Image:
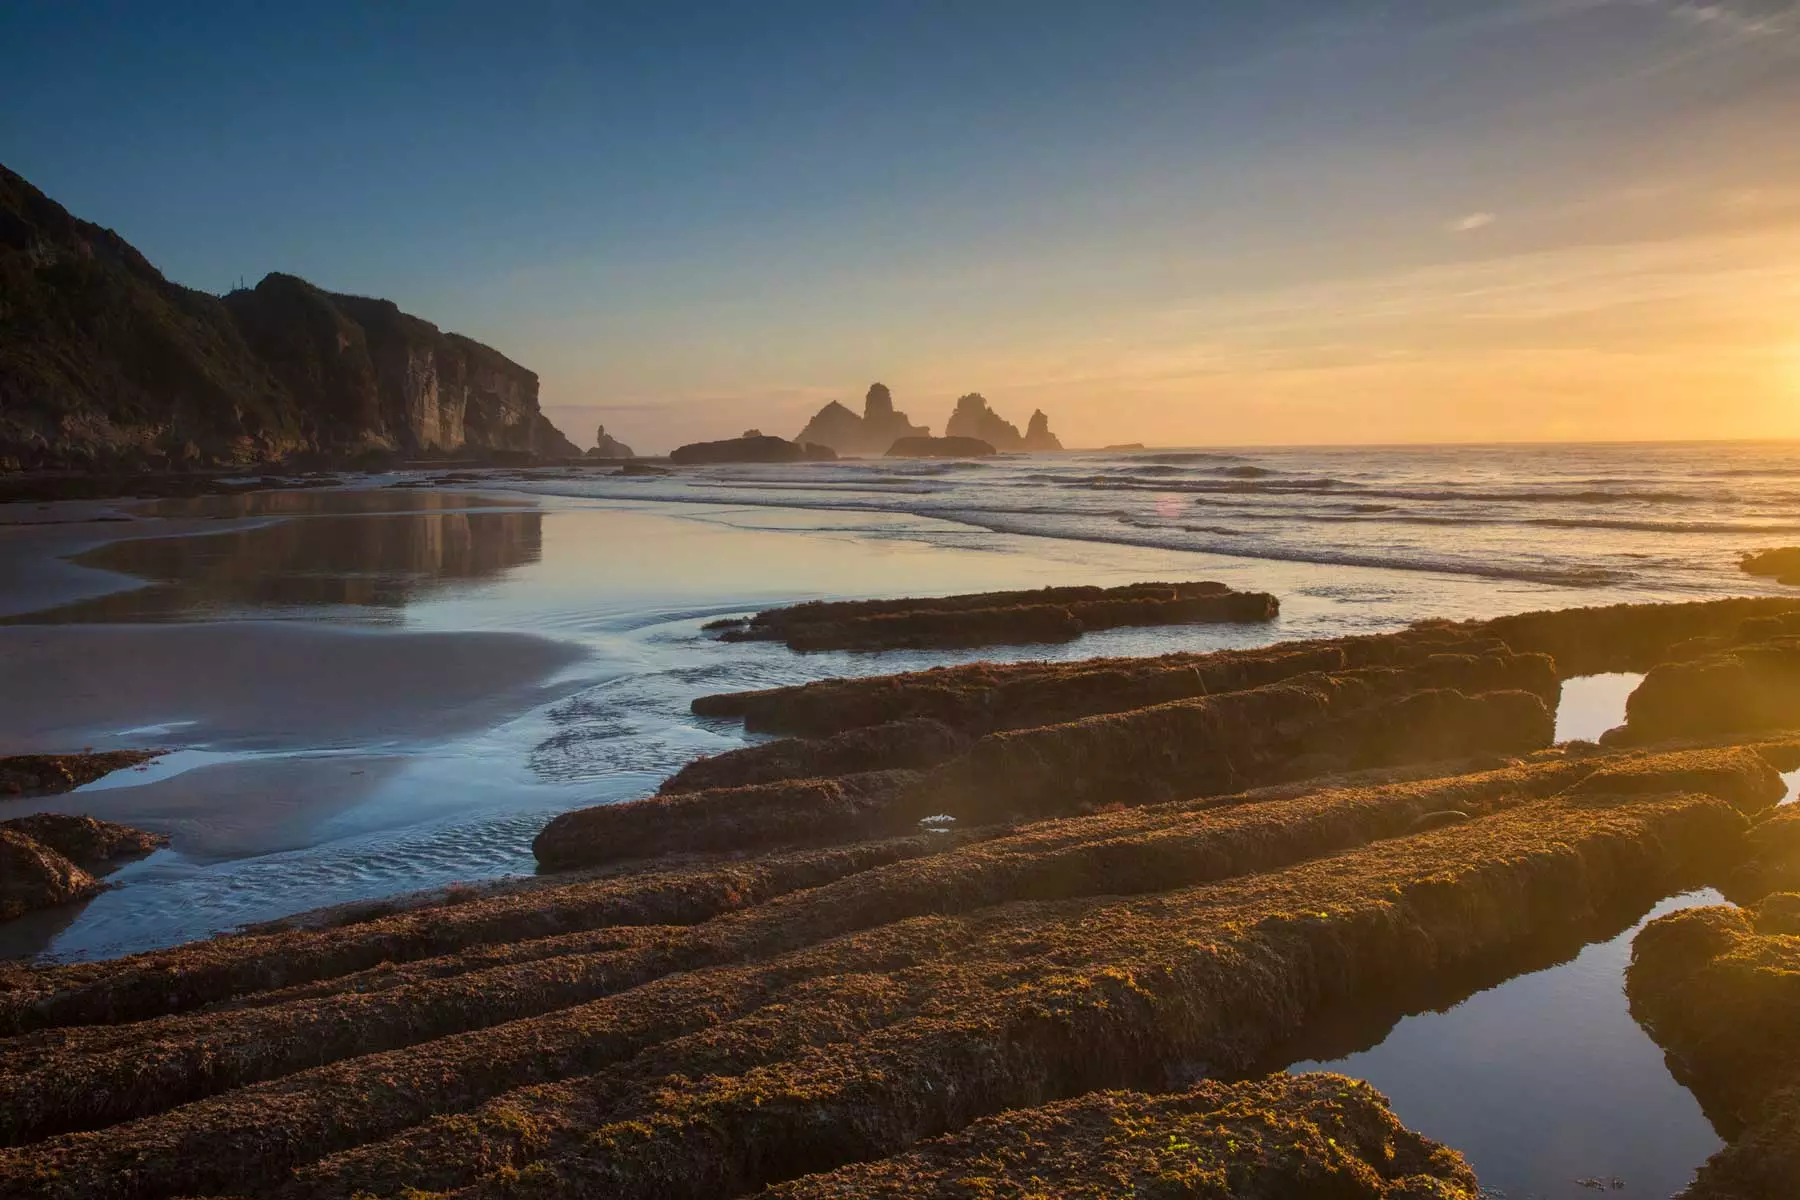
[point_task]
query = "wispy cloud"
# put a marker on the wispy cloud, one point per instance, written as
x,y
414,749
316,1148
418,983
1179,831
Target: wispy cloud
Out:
x,y
1470,222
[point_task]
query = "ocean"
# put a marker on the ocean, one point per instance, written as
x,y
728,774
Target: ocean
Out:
x,y
1632,519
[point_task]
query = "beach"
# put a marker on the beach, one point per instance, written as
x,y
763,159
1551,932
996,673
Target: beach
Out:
x,y
372,690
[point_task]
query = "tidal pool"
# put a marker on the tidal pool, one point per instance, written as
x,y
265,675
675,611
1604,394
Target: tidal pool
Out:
x,y
1545,1082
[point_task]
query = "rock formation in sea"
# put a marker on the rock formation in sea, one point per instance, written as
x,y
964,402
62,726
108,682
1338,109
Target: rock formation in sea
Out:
x,y
608,446
105,363
1038,435
944,447
974,418
879,427
753,447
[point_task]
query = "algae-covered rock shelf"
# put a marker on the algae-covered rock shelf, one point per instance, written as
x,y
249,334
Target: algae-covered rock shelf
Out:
x,y
997,618
772,977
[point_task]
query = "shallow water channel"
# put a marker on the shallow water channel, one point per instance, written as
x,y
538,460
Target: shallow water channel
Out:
x,y
1544,1081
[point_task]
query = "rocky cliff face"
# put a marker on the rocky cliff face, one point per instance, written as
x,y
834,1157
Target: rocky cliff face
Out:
x,y
103,362
879,427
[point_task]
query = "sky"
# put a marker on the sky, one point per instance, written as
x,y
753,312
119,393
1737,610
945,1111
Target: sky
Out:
x,y
1219,223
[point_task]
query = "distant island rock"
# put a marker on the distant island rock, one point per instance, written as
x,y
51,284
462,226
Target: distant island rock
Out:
x,y
974,418
1126,446
106,364
944,447
1038,435
608,446
879,426
753,447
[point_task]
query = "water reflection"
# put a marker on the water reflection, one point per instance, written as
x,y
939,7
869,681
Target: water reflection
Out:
x,y
373,565
1543,1080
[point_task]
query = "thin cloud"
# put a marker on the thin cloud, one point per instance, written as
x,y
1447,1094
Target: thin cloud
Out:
x,y
1470,222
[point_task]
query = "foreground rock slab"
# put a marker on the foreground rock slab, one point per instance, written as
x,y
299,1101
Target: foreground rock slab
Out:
x,y
1304,1137
1719,989
48,774
999,618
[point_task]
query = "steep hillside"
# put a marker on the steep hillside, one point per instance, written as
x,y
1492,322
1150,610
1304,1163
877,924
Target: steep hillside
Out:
x,y
103,362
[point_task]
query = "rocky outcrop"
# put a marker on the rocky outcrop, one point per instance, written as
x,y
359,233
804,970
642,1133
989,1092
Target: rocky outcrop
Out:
x,y
1719,989
1743,689
104,363
710,1027
879,426
944,447
1782,565
753,447
47,774
999,618
608,446
85,841
34,876
1038,435
974,419
1286,1137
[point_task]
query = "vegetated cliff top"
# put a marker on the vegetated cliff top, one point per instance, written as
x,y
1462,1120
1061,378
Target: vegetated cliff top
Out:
x,y
103,361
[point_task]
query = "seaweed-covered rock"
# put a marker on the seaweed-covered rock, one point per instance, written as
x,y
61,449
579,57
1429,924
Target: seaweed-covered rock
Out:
x,y
997,618
1719,989
33,876
912,743
752,817
1782,565
83,840
1744,689
46,774
1285,1137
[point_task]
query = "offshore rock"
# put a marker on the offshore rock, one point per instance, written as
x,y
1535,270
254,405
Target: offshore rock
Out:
x,y
1038,435
608,446
753,447
974,419
1782,565
944,447
879,427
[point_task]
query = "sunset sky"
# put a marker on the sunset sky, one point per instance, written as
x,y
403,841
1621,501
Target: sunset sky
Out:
x,y
1184,223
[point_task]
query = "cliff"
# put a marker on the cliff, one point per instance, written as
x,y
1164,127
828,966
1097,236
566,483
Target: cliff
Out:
x,y
105,362
879,426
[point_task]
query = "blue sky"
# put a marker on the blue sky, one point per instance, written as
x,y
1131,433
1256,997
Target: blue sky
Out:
x,y
1225,222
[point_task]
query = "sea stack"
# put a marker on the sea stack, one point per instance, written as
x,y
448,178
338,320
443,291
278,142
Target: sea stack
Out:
x,y
879,427
974,418
608,446
1038,435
